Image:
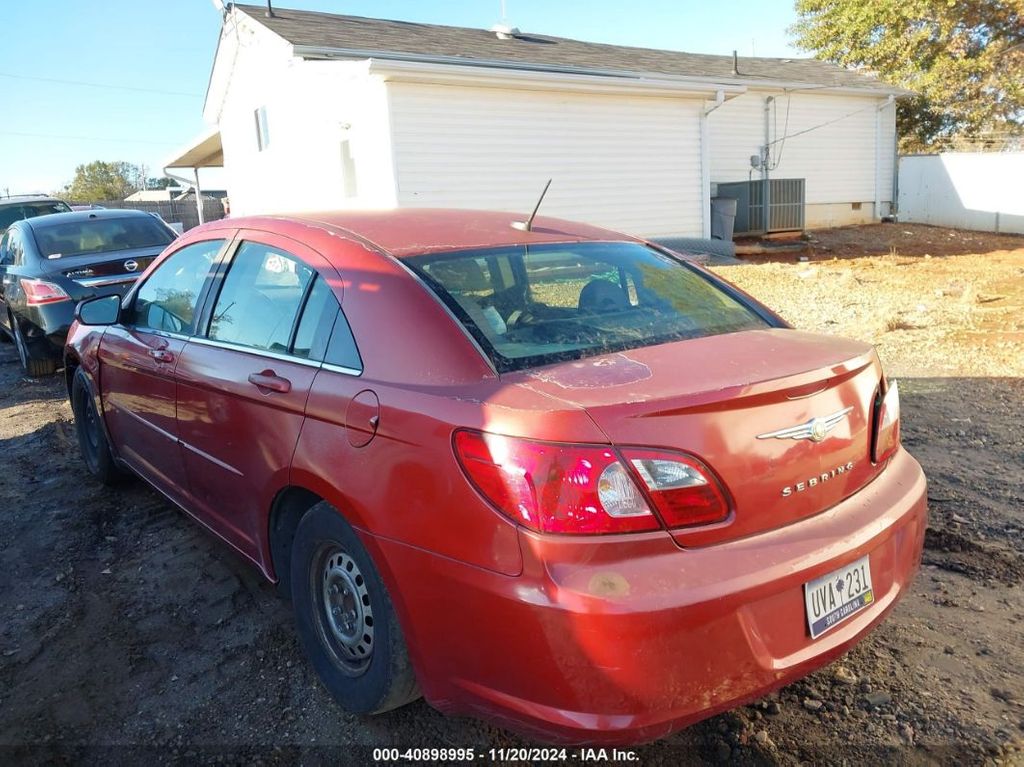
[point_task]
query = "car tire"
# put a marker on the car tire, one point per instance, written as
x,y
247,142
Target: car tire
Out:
x,y
345,619
92,438
36,367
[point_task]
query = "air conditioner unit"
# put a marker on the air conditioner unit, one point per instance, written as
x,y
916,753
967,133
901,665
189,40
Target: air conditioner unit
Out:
x,y
786,202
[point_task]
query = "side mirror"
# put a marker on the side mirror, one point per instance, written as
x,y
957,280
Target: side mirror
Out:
x,y
105,310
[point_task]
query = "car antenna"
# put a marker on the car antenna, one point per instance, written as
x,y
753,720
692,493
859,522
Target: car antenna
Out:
x,y
527,225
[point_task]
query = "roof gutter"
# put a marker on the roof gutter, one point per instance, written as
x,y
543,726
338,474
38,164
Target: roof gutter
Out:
x,y
883,92
410,67
701,83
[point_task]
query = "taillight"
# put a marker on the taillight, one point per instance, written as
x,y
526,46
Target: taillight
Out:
x,y
887,425
683,491
555,488
38,292
564,488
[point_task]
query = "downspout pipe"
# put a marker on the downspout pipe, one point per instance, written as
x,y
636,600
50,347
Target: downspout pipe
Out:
x,y
878,159
705,162
766,197
894,206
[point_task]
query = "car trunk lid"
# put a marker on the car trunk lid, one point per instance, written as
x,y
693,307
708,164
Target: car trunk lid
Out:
x,y
733,400
101,272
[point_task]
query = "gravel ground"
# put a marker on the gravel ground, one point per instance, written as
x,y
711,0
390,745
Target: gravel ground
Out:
x,y
130,635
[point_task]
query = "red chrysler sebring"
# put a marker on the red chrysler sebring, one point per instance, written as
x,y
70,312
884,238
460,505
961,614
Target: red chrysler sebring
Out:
x,y
555,477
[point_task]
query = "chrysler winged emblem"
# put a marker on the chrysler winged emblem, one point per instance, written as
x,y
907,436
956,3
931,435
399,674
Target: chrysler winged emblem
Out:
x,y
815,430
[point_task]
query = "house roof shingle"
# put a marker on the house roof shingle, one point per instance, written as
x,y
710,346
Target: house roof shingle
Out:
x,y
314,29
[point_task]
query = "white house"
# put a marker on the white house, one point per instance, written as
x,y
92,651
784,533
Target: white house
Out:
x,y
314,111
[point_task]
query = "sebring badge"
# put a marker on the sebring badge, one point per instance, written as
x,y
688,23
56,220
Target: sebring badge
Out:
x,y
820,479
815,430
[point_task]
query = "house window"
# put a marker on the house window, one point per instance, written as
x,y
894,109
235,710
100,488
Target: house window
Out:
x,y
262,134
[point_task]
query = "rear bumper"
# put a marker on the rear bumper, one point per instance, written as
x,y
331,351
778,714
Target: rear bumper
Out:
x,y
47,326
626,639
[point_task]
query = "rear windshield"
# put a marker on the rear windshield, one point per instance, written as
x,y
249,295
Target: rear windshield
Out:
x,y
11,213
101,235
534,305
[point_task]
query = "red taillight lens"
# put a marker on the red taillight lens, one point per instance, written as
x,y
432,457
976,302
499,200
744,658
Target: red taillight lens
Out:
x,y
38,292
887,429
554,488
682,489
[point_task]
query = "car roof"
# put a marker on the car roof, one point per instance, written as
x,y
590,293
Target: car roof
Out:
x,y
53,219
20,199
408,232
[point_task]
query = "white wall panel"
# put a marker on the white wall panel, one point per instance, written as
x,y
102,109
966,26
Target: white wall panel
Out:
x,y
829,140
627,163
964,189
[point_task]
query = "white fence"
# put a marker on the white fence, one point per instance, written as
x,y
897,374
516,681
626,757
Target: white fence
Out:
x,y
967,190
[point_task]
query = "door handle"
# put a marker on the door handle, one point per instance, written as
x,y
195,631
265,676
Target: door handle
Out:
x,y
268,379
161,355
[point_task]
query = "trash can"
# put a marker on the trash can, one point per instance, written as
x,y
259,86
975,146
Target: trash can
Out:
x,y
723,218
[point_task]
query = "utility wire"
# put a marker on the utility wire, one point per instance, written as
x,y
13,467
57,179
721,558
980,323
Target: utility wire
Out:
x,y
822,125
785,130
101,85
86,138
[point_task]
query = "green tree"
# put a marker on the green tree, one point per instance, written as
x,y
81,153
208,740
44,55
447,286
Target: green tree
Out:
x,y
963,58
98,181
159,183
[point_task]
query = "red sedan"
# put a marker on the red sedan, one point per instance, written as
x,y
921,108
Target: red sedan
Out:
x,y
559,478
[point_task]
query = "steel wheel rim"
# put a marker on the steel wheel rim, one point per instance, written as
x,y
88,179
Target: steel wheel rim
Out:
x,y
344,615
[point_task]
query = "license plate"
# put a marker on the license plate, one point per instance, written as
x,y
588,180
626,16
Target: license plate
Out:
x,y
833,598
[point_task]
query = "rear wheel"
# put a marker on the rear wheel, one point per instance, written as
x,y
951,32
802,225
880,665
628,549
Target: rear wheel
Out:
x,y
92,439
345,618
33,366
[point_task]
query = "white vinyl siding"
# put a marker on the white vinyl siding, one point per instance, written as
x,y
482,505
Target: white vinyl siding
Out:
x,y
326,145
835,150
626,163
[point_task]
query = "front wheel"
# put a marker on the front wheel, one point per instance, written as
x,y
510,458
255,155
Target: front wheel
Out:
x,y
92,439
345,619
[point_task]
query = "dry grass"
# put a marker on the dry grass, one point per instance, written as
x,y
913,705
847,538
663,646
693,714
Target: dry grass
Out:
x,y
955,307
898,323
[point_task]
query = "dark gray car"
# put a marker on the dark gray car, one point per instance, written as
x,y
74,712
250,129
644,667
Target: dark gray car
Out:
x,y
28,206
49,263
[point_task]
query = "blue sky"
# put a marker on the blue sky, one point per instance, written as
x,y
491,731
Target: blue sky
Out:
x,y
158,55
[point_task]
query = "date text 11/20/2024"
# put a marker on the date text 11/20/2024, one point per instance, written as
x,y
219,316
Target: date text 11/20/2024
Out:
x,y
520,754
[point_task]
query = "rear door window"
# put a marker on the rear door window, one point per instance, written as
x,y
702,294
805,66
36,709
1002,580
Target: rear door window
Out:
x,y
260,299
317,320
15,249
342,350
169,297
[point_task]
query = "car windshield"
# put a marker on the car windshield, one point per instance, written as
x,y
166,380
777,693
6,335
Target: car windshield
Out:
x,y
11,213
100,235
533,305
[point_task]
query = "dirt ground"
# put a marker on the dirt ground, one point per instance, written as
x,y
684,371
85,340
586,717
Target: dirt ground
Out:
x,y
129,634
